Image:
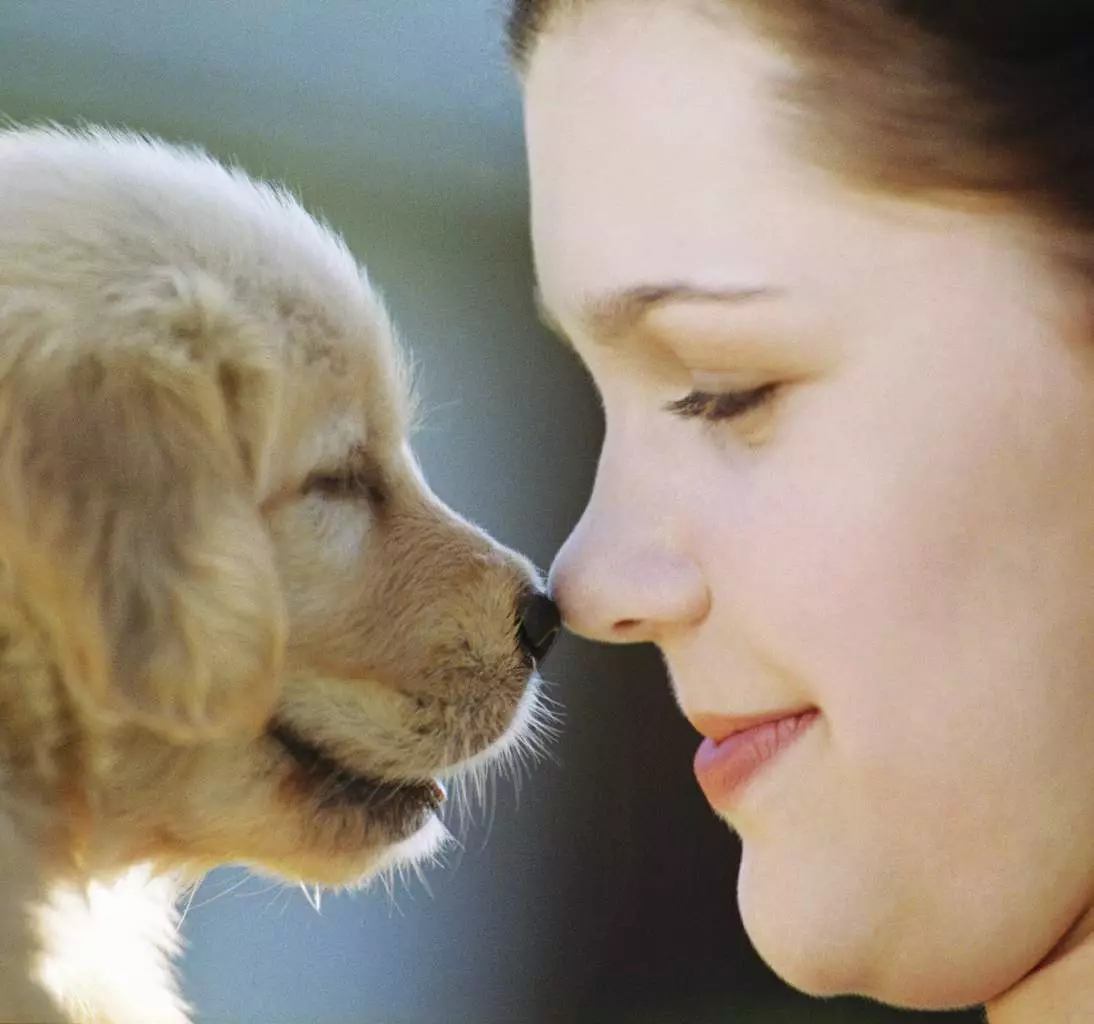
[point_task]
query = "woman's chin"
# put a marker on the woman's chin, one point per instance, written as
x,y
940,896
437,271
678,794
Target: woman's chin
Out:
x,y
822,937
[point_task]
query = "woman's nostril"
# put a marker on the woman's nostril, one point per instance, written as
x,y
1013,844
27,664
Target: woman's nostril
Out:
x,y
538,624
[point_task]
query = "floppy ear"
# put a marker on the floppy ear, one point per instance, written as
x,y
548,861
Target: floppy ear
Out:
x,y
132,463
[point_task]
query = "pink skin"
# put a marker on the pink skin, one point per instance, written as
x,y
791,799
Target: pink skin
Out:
x,y
902,539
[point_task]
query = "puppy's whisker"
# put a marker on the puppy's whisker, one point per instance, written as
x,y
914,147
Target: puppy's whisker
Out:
x,y
491,805
512,769
421,422
313,896
388,879
271,903
192,890
227,890
280,899
419,873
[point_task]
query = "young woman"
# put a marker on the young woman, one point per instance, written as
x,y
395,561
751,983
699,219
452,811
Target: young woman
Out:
x,y
830,264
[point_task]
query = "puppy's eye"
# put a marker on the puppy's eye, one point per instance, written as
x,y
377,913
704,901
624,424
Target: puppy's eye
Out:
x,y
346,485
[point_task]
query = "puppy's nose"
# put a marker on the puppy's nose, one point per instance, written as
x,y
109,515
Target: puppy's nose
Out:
x,y
538,624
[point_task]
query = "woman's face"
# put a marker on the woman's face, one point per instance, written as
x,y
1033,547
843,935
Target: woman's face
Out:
x,y
898,533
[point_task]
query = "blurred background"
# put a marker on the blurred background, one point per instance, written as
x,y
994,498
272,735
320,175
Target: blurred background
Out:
x,y
604,891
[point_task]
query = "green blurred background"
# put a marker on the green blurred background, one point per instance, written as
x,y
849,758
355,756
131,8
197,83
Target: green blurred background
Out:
x,y
604,892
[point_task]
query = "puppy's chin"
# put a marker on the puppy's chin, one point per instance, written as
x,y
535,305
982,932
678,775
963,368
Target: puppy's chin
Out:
x,y
348,826
288,803
427,842
347,868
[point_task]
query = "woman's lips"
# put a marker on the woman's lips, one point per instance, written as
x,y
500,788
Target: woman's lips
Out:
x,y
736,749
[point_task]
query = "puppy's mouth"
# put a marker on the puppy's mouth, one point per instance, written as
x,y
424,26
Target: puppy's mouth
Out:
x,y
397,802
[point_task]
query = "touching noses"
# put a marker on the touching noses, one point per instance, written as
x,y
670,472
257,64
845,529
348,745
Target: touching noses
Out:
x,y
624,576
538,625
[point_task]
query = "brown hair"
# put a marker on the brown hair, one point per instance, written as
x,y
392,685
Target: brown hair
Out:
x,y
980,99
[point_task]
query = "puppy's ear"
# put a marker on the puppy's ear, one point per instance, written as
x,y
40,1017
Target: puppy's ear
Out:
x,y
131,452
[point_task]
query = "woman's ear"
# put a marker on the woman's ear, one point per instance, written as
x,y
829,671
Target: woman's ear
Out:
x,y
133,465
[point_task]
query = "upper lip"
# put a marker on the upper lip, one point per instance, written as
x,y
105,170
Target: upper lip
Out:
x,y
720,727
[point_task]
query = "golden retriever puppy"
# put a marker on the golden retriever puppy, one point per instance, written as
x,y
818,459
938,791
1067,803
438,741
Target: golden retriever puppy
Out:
x,y
235,623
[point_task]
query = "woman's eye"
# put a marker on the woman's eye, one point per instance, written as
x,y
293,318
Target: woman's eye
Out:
x,y
724,405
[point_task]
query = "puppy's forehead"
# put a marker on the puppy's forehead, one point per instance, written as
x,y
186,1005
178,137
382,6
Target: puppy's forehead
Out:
x,y
354,364
344,390
94,218
92,215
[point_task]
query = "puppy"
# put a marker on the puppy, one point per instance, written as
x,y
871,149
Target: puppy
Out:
x,y
235,623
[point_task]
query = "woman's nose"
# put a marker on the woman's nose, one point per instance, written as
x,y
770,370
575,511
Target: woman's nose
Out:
x,y
622,578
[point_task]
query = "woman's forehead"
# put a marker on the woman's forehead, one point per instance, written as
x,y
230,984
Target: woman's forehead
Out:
x,y
658,155
644,162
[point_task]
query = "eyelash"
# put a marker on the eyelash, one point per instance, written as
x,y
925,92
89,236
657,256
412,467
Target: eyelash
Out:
x,y
726,405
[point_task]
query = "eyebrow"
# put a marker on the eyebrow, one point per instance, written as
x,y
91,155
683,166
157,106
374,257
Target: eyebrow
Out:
x,y
610,316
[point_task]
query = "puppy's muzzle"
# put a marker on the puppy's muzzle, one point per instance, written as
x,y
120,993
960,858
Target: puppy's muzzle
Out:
x,y
538,625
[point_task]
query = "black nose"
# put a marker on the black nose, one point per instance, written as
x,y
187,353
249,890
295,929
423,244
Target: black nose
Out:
x,y
538,624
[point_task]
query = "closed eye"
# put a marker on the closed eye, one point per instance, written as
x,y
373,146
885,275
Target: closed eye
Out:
x,y
725,405
350,483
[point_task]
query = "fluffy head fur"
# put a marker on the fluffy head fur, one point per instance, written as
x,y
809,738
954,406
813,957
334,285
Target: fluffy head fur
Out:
x,y
235,623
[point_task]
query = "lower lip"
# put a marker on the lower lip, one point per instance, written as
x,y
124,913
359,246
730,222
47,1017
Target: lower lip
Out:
x,y
724,768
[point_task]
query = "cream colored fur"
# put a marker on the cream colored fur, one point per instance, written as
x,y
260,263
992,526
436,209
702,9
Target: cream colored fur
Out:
x,y
217,553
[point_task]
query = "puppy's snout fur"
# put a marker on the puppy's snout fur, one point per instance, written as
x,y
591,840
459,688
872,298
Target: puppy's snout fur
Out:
x,y
538,624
